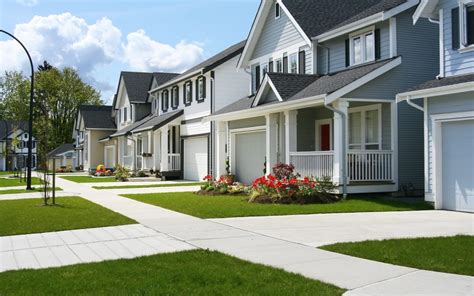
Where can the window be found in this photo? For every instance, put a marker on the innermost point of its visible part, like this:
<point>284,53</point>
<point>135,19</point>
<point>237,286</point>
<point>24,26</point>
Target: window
<point>302,61</point>
<point>165,101</point>
<point>467,28</point>
<point>139,146</point>
<point>255,78</point>
<point>277,11</point>
<point>188,93</point>
<point>365,128</point>
<point>362,48</point>
<point>125,114</point>
<point>279,66</point>
<point>285,63</point>
<point>270,65</point>
<point>175,97</point>
<point>264,68</point>
<point>201,89</point>
<point>293,63</point>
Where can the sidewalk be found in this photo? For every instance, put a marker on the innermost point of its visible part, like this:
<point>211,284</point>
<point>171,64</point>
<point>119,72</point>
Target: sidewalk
<point>360,275</point>
<point>33,195</point>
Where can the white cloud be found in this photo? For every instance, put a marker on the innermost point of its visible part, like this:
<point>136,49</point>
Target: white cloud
<point>29,3</point>
<point>144,54</point>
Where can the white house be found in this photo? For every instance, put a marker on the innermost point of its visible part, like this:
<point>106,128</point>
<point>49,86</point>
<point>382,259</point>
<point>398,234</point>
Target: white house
<point>14,139</point>
<point>447,104</point>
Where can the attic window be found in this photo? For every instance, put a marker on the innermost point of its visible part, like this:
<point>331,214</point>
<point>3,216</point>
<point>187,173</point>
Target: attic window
<point>362,47</point>
<point>277,10</point>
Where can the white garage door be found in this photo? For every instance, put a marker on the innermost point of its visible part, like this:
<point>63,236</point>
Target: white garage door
<point>249,156</point>
<point>195,158</point>
<point>458,165</point>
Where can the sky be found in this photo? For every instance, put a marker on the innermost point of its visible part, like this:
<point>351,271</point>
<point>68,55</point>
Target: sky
<point>100,38</point>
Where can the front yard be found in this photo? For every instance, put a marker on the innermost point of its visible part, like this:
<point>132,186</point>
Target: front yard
<point>236,206</point>
<point>20,191</point>
<point>444,254</point>
<point>12,182</point>
<point>183,273</point>
<point>183,184</point>
<point>89,179</point>
<point>29,216</point>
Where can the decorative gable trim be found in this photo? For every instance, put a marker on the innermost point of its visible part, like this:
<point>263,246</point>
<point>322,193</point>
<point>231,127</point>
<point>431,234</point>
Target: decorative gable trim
<point>266,84</point>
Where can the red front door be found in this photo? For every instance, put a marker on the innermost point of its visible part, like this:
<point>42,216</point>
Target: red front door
<point>325,137</point>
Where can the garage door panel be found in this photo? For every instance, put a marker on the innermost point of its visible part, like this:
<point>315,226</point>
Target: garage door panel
<point>458,165</point>
<point>249,156</point>
<point>195,159</point>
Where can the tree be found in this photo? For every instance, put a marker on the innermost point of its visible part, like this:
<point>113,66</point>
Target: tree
<point>45,66</point>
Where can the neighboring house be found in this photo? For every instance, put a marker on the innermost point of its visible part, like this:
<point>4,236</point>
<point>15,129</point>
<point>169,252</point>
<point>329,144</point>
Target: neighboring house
<point>448,106</point>
<point>131,108</point>
<point>325,75</point>
<point>93,123</point>
<point>182,143</point>
<point>14,138</point>
<point>63,156</point>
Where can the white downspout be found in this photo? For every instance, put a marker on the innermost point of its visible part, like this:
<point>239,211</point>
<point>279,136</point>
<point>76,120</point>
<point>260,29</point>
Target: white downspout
<point>410,102</point>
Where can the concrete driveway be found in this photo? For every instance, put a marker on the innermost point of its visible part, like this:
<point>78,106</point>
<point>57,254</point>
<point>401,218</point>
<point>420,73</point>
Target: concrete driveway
<point>324,229</point>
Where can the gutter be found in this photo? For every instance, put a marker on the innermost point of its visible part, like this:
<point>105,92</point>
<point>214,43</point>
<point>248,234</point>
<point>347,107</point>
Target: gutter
<point>416,106</point>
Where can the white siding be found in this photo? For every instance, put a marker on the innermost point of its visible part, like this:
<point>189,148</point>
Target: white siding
<point>230,84</point>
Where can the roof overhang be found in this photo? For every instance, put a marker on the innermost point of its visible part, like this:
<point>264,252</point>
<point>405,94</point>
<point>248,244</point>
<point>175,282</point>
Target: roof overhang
<point>159,125</point>
<point>363,80</point>
<point>426,9</point>
<point>368,21</point>
<point>436,91</point>
<point>257,26</point>
<point>267,84</point>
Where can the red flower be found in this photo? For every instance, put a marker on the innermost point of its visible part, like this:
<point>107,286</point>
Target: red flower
<point>208,178</point>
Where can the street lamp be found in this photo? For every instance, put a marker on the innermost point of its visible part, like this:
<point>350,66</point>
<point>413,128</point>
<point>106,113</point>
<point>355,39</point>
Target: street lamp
<point>30,120</point>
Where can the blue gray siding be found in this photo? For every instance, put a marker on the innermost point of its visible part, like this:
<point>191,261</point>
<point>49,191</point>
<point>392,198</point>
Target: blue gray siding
<point>439,105</point>
<point>276,35</point>
<point>244,123</point>
<point>306,127</point>
<point>456,63</point>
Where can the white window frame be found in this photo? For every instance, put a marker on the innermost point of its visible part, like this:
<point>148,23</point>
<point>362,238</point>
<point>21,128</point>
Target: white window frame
<point>290,57</point>
<point>361,34</point>
<point>175,95</point>
<point>188,98</point>
<point>363,144</point>
<point>463,5</point>
<point>277,10</point>
<point>201,84</point>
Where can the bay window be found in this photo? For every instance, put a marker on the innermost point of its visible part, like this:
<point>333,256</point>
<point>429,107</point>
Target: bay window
<point>365,127</point>
<point>362,47</point>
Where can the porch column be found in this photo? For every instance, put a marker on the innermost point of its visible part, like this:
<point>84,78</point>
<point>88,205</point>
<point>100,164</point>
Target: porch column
<point>290,133</point>
<point>339,141</point>
<point>221,139</point>
<point>156,150</point>
<point>164,148</point>
<point>271,141</point>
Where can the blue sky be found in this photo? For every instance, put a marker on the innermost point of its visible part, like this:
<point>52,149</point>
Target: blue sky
<point>101,38</point>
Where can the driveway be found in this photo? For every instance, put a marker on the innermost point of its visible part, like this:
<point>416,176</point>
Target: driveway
<point>323,229</point>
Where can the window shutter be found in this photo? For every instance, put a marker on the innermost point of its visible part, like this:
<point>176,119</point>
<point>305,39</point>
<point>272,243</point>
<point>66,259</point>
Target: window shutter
<point>302,62</point>
<point>285,64</point>
<point>257,77</point>
<point>270,66</point>
<point>377,44</point>
<point>348,55</point>
<point>197,90</point>
<point>184,94</point>
<point>470,25</point>
<point>455,28</point>
<point>204,88</point>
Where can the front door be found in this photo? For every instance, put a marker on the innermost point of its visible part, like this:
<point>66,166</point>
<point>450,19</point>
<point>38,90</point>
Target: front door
<point>325,140</point>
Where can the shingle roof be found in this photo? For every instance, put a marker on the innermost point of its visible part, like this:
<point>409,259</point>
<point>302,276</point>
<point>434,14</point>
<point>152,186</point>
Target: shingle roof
<point>157,121</point>
<point>289,84</point>
<point>137,85</point>
<point>10,125</point>
<point>241,104</point>
<point>319,16</point>
<point>444,82</point>
<point>162,77</point>
<point>61,149</point>
<point>97,117</point>
<point>130,128</point>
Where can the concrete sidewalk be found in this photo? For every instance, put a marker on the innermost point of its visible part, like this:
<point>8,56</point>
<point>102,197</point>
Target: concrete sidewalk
<point>362,277</point>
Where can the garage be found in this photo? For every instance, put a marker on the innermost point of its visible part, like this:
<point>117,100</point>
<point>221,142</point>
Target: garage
<point>458,165</point>
<point>195,158</point>
<point>249,156</point>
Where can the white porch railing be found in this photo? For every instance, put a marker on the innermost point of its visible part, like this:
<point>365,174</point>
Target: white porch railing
<point>316,164</point>
<point>174,162</point>
<point>128,161</point>
<point>369,166</point>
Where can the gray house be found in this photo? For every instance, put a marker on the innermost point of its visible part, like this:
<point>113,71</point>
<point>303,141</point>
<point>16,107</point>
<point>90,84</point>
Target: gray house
<point>325,75</point>
<point>447,103</point>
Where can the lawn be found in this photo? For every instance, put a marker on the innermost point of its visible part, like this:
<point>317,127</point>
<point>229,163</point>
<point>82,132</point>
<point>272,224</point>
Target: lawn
<point>89,179</point>
<point>236,206</point>
<point>11,182</point>
<point>29,216</point>
<point>184,273</point>
<point>18,191</point>
<point>444,254</point>
<point>5,173</point>
<point>148,186</point>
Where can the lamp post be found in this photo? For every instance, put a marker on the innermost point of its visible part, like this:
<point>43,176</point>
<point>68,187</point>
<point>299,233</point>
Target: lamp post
<point>30,120</point>
<point>5,122</point>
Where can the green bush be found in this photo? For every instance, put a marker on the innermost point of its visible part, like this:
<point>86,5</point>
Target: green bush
<point>122,173</point>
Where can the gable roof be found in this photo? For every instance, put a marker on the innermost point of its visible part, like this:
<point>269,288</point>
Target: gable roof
<point>97,117</point>
<point>10,125</point>
<point>61,150</point>
<point>157,121</point>
<point>137,85</point>
<point>163,77</point>
<point>209,64</point>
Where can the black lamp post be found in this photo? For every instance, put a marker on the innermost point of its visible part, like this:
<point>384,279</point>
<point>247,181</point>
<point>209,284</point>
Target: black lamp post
<point>30,120</point>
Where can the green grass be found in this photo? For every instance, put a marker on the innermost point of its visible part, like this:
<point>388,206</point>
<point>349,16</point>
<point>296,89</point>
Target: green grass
<point>184,273</point>
<point>18,191</point>
<point>236,206</point>
<point>5,173</point>
<point>89,179</point>
<point>29,216</point>
<point>12,182</point>
<point>444,254</point>
<point>147,186</point>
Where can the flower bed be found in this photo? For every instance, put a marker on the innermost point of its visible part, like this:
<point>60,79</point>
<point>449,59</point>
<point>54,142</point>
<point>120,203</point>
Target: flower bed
<point>222,186</point>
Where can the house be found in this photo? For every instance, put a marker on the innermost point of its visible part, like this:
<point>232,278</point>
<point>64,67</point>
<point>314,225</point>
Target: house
<point>63,157</point>
<point>92,124</point>
<point>131,109</point>
<point>323,94</point>
<point>14,139</point>
<point>447,103</point>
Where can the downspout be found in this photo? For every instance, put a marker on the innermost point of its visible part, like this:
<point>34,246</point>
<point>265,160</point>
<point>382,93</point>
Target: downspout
<point>416,106</point>
<point>213,127</point>
<point>344,150</point>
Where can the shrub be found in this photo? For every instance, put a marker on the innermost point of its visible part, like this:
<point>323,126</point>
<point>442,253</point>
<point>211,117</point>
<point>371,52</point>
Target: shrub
<point>121,173</point>
<point>141,174</point>
<point>221,186</point>
<point>284,171</point>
